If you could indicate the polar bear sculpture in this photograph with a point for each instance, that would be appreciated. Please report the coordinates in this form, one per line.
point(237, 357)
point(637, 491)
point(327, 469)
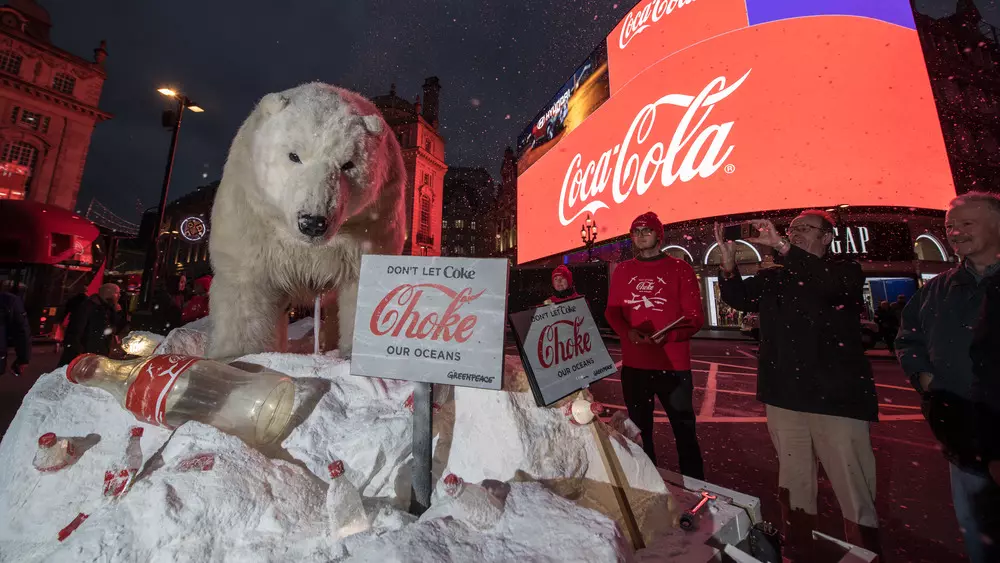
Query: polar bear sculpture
point(314, 179)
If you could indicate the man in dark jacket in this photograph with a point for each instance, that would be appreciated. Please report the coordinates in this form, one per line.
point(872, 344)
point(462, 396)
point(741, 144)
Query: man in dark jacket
point(14, 330)
point(92, 326)
point(813, 375)
point(940, 325)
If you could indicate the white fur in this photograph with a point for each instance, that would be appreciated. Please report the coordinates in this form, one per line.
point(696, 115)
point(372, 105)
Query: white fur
point(260, 259)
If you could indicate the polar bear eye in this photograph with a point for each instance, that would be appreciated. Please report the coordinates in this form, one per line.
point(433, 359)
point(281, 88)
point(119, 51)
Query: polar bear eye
point(294, 157)
point(349, 165)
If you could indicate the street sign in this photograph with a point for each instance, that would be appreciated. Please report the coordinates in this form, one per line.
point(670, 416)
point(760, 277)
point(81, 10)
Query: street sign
point(431, 319)
point(561, 349)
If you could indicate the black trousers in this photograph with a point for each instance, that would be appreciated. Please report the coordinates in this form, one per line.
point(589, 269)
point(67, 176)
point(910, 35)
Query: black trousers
point(675, 389)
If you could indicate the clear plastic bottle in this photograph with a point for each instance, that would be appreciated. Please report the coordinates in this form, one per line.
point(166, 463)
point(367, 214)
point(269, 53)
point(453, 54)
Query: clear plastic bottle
point(169, 390)
point(54, 453)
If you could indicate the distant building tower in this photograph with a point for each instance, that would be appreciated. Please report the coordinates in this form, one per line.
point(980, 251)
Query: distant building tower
point(48, 105)
point(468, 196)
point(416, 127)
point(503, 218)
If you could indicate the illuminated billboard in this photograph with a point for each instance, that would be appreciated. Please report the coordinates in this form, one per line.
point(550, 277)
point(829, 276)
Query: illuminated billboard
point(785, 104)
point(575, 101)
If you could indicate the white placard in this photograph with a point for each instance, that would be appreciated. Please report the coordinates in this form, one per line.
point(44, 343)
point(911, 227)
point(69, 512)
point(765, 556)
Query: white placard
point(561, 349)
point(431, 319)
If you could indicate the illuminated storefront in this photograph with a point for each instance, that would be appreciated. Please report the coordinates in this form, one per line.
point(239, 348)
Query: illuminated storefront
point(700, 112)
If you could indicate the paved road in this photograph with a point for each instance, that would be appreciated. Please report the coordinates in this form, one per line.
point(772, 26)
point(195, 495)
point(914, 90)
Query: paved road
point(914, 497)
point(914, 500)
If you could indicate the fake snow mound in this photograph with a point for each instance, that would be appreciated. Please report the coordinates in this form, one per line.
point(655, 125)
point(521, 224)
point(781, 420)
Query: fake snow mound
point(283, 504)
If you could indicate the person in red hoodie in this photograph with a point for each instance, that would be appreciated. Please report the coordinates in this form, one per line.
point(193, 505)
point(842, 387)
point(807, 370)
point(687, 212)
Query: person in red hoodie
point(562, 284)
point(647, 294)
point(197, 306)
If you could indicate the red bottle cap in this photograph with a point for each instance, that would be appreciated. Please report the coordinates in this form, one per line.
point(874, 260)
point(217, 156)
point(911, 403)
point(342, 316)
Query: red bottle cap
point(72, 364)
point(47, 440)
point(136, 432)
point(336, 469)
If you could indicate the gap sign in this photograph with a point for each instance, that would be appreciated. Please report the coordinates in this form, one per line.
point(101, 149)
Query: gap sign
point(561, 349)
point(431, 319)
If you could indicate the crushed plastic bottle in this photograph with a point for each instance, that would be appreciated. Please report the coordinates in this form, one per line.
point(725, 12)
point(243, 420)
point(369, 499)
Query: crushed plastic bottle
point(54, 453)
point(478, 505)
point(169, 390)
point(343, 504)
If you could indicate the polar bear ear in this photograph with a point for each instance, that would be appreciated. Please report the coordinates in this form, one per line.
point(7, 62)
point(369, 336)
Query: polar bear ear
point(273, 103)
point(372, 123)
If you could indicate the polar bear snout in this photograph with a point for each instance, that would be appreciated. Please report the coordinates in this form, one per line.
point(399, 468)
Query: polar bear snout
point(313, 225)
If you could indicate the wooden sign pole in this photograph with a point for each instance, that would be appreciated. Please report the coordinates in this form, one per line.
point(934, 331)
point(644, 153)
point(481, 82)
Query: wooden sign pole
point(618, 482)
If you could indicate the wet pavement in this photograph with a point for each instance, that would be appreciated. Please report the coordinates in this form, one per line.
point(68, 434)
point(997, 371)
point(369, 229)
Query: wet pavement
point(914, 496)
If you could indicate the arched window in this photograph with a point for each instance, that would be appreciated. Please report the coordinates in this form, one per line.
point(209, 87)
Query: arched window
point(64, 83)
point(10, 62)
point(929, 248)
point(745, 254)
point(21, 153)
point(678, 252)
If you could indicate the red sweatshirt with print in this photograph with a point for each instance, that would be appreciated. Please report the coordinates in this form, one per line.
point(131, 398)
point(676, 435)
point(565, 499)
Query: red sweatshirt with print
point(648, 294)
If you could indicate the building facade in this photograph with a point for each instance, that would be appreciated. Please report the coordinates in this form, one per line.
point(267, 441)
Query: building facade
point(416, 127)
point(503, 213)
point(468, 194)
point(961, 44)
point(184, 233)
point(49, 103)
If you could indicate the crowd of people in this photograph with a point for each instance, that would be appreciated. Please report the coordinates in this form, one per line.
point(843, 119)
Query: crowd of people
point(814, 379)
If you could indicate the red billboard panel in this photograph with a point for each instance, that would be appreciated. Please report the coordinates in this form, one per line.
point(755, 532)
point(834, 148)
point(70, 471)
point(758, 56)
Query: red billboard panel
point(798, 112)
point(655, 29)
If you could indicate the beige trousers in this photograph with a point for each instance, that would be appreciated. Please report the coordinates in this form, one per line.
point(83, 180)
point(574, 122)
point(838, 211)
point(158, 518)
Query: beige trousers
point(843, 446)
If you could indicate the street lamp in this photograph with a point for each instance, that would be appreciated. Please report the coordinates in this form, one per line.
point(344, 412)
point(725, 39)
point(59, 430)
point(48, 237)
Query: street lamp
point(588, 234)
point(149, 272)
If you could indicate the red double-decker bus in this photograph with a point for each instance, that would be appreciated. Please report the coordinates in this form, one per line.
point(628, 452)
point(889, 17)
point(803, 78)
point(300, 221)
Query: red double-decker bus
point(48, 254)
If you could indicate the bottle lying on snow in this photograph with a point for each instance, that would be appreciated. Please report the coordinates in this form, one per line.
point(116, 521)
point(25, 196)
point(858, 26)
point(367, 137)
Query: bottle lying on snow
point(54, 453)
point(170, 390)
point(479, 505)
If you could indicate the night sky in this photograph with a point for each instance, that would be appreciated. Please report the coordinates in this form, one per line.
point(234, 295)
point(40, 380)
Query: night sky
point(499, 63)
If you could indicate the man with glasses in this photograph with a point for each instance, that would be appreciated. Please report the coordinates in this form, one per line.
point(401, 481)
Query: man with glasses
point(647, 295)
point(813, 376)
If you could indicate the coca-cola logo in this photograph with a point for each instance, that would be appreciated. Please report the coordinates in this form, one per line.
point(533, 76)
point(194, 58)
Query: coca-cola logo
point(639, 19)
point(700, 149)
point(561, 341)
point(645, 286)
point(400, 313)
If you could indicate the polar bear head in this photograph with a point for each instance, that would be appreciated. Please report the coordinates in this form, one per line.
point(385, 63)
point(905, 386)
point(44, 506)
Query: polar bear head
point(318, 155)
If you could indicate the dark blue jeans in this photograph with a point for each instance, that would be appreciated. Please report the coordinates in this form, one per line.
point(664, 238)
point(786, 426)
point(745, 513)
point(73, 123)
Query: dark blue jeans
point(977, 506)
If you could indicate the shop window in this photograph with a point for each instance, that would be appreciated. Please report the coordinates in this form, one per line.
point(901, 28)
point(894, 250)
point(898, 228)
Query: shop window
point(10, 62)
point(64, 83)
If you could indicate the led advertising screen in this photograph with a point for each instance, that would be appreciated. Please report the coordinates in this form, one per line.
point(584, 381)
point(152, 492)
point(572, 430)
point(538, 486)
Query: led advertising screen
point(575, 101)
point(790, 104)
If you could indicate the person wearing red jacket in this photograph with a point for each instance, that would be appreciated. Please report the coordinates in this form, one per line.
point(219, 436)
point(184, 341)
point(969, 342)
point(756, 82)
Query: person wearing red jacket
point(197, 306)
point(647, 294)
point(562, 284)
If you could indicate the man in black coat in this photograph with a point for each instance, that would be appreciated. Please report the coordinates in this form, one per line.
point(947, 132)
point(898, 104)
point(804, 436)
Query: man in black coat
point(947, 346)
point(92, 326)
point(14, 330)
point(813, 375)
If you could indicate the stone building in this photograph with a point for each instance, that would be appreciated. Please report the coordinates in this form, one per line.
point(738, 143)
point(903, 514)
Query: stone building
point(416, 127)
point(468, 194)
point(503, 213)
point(49, 107)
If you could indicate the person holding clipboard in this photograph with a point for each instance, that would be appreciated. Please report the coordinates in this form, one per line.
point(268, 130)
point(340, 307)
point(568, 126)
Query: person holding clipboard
point(654, 304)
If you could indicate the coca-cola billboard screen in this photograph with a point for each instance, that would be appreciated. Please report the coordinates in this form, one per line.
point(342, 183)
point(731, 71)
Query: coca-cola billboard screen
point(579, 97)
point(723, 107)
point(431, 319)
point(561, 349)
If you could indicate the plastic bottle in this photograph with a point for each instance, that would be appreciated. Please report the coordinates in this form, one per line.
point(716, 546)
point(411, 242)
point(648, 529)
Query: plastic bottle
point(169, 390)
point(472, 503)
point(119, 479)
point(54, 453)
point(343, 504)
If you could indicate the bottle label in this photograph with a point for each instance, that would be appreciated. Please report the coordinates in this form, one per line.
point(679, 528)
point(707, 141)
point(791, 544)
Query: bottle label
point(147, 396)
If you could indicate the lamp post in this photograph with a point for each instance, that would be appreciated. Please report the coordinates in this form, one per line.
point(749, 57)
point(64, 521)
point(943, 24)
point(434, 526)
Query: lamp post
point(588, 234)
point(151, 267)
